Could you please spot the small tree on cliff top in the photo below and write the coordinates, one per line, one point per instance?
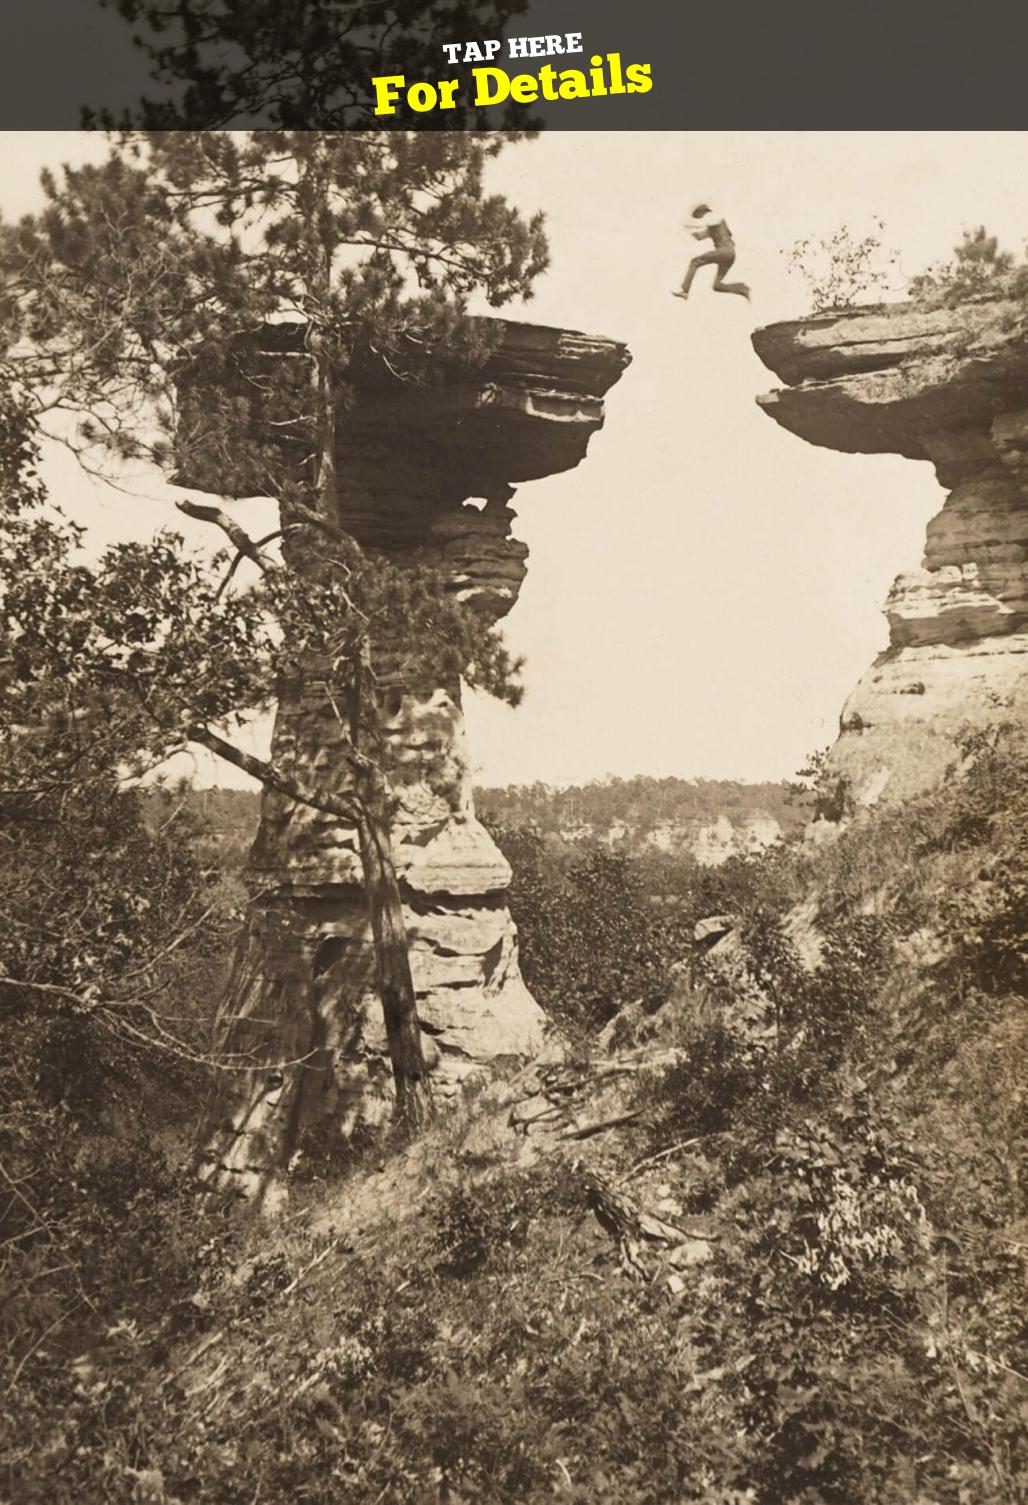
(844, 268)
(182, 246)
(976, 266)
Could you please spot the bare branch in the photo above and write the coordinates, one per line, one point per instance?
(310, 519)
(228, 525)
(266, 773)
(112, 1012)
(237, 557)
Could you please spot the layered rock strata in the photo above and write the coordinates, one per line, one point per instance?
(948, 385)
(426, 475)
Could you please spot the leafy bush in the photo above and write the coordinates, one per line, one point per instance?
(590, 940)
(844, 268)
(484, 1220)
(112, 951)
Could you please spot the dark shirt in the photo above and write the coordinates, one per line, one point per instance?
(721, 236)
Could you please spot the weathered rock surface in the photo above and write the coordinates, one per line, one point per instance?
(947, 385)
(715, 843)
(409, 459)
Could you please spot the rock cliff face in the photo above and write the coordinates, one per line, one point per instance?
(409, 460)
(947, 385)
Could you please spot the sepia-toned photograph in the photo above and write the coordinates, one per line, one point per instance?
(514, 804)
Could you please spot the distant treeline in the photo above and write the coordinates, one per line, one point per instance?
(228, 817)
(641, 804)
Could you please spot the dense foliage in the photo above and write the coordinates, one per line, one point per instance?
(850, 1138)
(113, 947)
(845, 269)
(590, 938)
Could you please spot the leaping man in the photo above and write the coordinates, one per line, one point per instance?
(706, 224)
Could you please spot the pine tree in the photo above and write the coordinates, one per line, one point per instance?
(148, 276)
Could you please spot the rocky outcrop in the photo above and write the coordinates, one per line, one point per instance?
(713, 844)
(426, 474)
(948, 385)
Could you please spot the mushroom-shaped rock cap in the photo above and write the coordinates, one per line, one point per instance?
(528, 411)
(887, 379)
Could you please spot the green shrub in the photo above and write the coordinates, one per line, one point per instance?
(590, 940)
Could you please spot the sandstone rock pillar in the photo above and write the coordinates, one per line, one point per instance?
(948, 385)
(426, 475)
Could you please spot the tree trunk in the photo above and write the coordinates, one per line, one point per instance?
(385, 910)
(252, 1151)
(392, 965)
(385, 907)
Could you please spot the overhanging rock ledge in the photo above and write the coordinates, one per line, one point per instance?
(948, 385)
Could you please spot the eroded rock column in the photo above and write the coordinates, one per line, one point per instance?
(947, 385)
(426, 477)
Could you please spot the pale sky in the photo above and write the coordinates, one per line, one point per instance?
(705, 589)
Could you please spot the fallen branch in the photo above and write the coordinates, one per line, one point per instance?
(620, 1214)
(586, 1131)
(319, 1260)
(197, 1353)
(673, 1149)
(552, 1081)
(212, 1379)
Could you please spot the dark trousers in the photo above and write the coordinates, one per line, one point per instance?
(723, 259)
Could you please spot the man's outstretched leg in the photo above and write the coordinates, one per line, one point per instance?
(721, 286)
(709, 258)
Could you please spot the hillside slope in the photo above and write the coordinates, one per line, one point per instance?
(764, 1245)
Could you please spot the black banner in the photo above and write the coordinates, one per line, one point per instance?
(550, 64)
